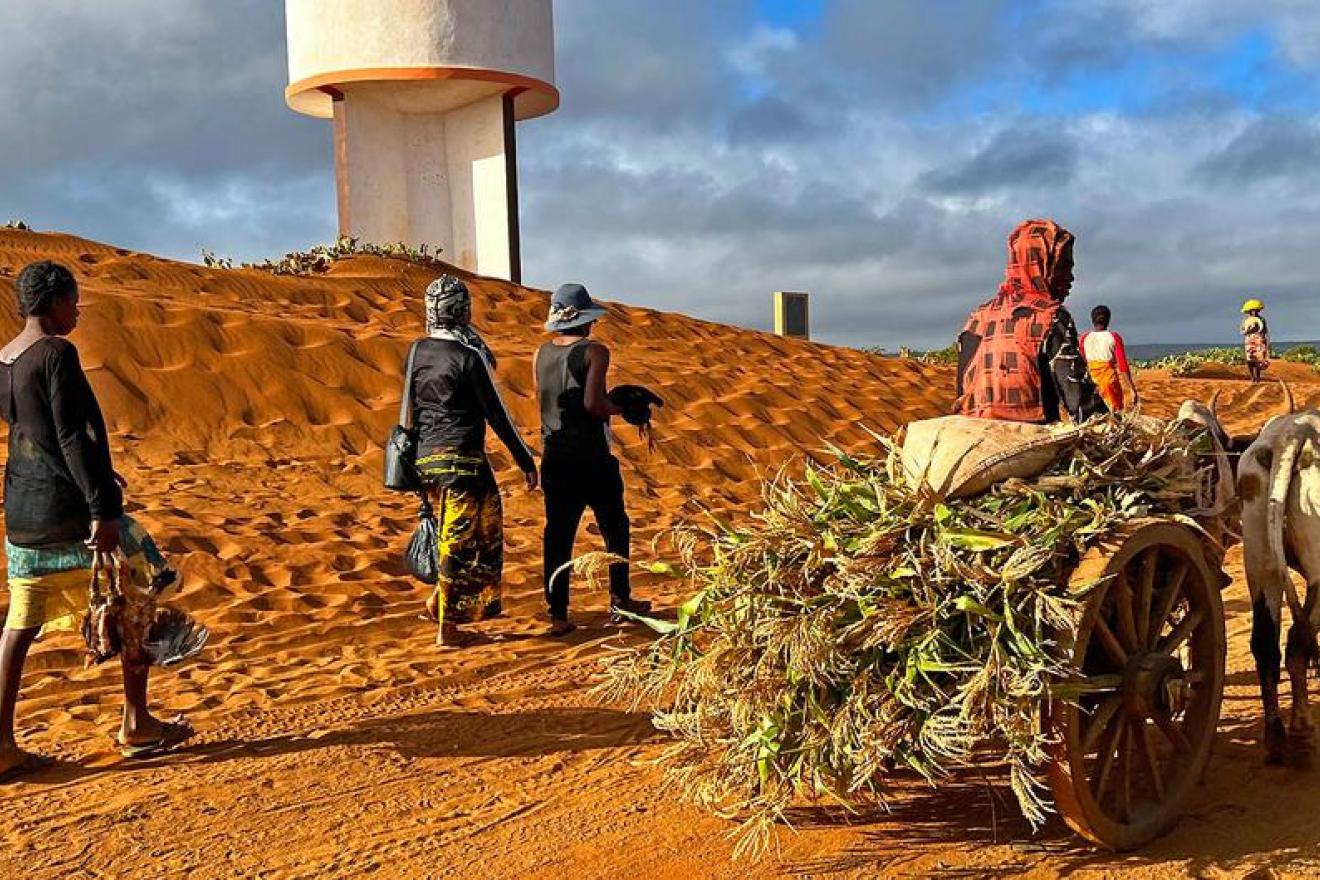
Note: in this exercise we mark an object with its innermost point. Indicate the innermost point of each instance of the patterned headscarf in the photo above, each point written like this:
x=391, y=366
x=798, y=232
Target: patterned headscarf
x=447, y=303
x=449, y=315
x=1035, y=250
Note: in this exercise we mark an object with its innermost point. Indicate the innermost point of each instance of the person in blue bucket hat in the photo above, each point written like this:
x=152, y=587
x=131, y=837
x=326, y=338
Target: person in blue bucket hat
x=578, y=467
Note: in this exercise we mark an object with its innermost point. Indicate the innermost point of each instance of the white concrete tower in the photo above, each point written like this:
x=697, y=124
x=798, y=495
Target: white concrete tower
x=424, y=95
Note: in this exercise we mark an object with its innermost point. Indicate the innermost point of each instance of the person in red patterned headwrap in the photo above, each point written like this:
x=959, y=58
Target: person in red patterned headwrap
x=1018, y=358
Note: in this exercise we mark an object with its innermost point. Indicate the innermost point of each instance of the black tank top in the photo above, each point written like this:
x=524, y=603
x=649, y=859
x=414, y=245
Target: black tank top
x=567, y=429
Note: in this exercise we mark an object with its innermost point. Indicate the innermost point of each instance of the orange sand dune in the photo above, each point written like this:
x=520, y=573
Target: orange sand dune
x=248, y=412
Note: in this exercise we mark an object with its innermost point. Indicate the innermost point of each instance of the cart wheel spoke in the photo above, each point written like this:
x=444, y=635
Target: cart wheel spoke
x=1125, y=760
x=1181, y=632
x=1111, y=750
x=1173, y=732
x=1152, y=759
x=1100, y=722
x=1168, y=599
x=1110, y=643
x=1150, y=561
x=1124, y=618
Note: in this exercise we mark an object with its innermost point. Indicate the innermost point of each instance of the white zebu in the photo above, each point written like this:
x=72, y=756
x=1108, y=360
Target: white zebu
x=1279, y=485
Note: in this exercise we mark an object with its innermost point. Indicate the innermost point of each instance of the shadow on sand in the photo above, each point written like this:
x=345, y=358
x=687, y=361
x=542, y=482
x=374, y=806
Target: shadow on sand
x=971, y=812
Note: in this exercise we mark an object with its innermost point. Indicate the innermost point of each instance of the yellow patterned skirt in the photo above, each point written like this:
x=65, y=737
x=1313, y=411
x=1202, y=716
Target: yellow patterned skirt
x=48, y=586
x=470, y=531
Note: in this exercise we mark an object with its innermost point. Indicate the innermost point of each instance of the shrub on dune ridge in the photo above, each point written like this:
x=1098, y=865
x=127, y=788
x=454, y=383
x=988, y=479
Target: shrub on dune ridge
x=320, y=258
x=1182, y=365
x=856, y=624
x=1304, y=354
x=1185, y=364
x=941, y=357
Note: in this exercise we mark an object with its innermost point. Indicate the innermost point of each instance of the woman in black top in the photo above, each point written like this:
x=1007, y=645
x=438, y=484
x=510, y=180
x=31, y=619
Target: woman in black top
x=578, y=469
x=454, y=398
x=63, y=501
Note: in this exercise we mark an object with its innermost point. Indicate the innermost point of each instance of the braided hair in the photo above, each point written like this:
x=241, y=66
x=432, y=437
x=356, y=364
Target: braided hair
x=40, y=284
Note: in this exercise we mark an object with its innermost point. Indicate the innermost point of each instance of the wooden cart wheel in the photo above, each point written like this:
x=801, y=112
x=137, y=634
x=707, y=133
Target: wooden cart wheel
x=1129, y=750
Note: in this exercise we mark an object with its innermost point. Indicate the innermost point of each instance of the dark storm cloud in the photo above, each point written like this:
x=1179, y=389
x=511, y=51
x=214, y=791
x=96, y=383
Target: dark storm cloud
x=1269, y=149
x=184, y=86
x=645, y=63
x=702, y=158
x=913, y=53
x=1023, y=156
x=161, y=125
x=770, y=120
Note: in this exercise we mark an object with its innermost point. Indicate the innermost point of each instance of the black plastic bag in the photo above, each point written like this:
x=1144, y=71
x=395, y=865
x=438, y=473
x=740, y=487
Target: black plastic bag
x=422, y=556
x=401, y=460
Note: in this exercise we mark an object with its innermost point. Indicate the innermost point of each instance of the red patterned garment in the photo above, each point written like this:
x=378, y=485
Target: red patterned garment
x=1003, y=380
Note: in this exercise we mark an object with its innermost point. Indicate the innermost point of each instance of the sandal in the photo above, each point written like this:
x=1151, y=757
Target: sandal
x=29, y=763
x=176, y=733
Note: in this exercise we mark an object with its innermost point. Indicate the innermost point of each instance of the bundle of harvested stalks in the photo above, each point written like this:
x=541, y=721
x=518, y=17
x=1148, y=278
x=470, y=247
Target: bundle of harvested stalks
x=858, y=623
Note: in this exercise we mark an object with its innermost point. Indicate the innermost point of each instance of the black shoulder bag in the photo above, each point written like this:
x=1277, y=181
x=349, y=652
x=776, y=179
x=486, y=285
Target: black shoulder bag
x=401, y=449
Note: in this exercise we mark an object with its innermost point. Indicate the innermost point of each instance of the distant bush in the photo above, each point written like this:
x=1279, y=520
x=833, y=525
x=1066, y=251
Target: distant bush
x=1189, y=362
x=944, y=356
x=19, y=225
x=319, y=259
x=1303, y=354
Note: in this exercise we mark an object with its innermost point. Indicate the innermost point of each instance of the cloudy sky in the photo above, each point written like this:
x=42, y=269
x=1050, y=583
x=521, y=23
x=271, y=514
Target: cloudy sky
x=708, y=152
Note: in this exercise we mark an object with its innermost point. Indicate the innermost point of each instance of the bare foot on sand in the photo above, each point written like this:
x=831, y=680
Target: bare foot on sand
x=561, y=626
x=432, y=612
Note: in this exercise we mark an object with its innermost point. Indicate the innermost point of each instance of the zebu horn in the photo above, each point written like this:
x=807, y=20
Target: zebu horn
x=1288, y=395
x=1214, y=403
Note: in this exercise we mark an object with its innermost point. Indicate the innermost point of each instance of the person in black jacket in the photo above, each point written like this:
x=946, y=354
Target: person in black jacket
x=63, y=506
x=454, y=398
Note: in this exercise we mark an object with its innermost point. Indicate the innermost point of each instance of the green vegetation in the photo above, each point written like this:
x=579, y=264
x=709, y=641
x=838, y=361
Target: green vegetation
x=1189, y=362
x=857, y=624
x=1304, y=354
x=18, y=225
x=319, y=259
x=943, y=357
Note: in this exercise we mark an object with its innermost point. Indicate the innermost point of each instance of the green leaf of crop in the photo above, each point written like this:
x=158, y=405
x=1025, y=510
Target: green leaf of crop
x=976, y=539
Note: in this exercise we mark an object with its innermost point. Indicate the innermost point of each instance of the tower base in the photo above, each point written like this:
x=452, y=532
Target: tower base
x=445, y=179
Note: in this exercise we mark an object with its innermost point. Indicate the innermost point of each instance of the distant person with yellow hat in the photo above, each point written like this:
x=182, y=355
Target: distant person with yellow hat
x=1256, y=338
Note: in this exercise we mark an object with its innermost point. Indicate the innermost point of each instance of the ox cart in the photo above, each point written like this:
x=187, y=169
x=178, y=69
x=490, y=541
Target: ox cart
x=1052, y=593
x=1132, y=734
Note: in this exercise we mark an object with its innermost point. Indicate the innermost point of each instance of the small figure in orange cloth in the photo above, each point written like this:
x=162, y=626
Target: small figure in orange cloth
x=1106, y=359
x=1256, y=338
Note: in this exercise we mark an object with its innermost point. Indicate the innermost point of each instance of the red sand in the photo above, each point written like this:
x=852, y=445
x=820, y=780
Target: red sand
x=336, y=741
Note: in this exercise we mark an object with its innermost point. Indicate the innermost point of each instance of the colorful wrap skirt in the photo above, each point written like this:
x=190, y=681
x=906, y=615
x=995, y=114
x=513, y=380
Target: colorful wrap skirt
x=1257, y=348
x=48, y=586
x=1108, y=383
x=470, y=531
